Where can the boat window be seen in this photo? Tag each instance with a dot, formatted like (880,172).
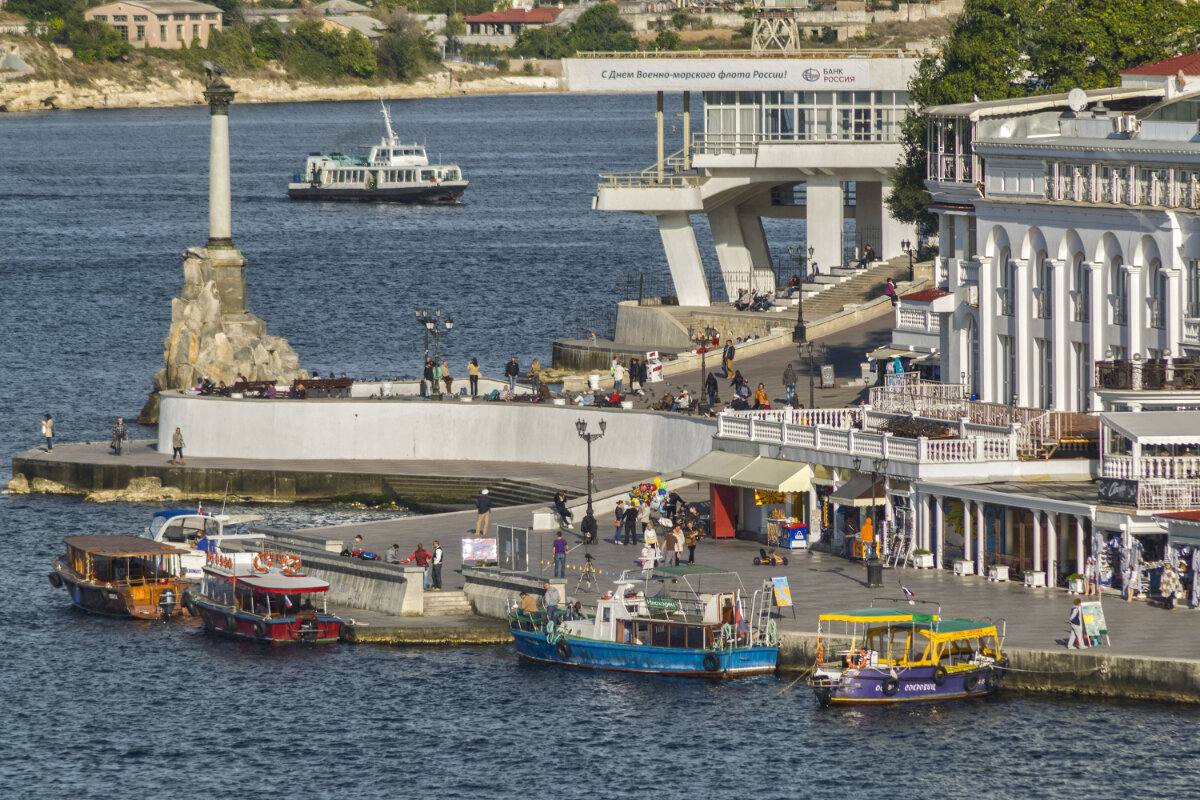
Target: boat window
(658,636)
(607,616)
(696,638)
(427,175)
(678,636)
(642,632)
(918,649)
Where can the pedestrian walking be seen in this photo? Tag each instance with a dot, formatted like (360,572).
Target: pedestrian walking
(618,521)
(447,378)
(631,518)
(427,378)
(690,538)
(177,447)
(889,290)
(789,382)
(710,388)
(512,371)
(636,380)
(727,359)
(618,372)
(435,566)
(473,376)
(48,432)
(560,556)
(1169,586)
(535,375)
(483,512)
(120,436)
(1078,637)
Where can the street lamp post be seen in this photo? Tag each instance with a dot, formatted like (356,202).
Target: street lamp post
(704,338)
(907,247)
(437,329)
(581,427)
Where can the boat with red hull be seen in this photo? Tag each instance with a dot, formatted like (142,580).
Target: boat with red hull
(899,656)
(263,597)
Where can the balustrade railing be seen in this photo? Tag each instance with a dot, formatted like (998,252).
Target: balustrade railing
(1168,496)
(1173,468)
(1191,331)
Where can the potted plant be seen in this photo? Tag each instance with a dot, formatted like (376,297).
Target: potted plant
(998,572)
(1075,583)
(922,559)
(963,567)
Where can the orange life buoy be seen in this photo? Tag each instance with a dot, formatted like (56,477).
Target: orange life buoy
(858,658)
(291,563)
(262,561)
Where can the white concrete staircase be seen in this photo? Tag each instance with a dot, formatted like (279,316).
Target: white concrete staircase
(447,604)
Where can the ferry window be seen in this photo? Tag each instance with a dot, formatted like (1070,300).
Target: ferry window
(678,636)
(824,98)
(845,98)
(607,616)
(643,632)
(695,638)
(659,636)
(862,98)
(918,647)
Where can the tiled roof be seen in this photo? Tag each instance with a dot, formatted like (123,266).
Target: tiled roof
(1188,64)
(925,295)
(1187,516)
(518,16)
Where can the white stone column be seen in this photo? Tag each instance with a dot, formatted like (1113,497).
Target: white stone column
(868,217)
(968,549)
(892,230)
(1080,559)
(1174,308)
(220,229)
(961,238)
(1097,320)
(1023,341)
(732,253)
(922,521)
(1137,310)
(756,242)
(1060,310)
(939,549)
(683,258)
(988,349)
(824,212)
(1037,540)
(981,550)
(814,520)
(1051,548)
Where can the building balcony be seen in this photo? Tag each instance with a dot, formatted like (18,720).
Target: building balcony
(1143,467)
(1191,331)
(1157,375)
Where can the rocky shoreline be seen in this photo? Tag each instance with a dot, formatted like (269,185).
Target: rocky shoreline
(185,89)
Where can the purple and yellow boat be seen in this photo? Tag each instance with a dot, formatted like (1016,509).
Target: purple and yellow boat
(899,656)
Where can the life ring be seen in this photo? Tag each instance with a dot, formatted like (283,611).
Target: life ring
(820,652)
(189,604)
(970,682)
(992,680)
(262,561)
(711,662)
(56,580)
(564,648)
(940,675)
(858,658)
(291,564)
(890,686)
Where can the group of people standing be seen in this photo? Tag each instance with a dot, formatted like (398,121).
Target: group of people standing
(680,523)
(635,372)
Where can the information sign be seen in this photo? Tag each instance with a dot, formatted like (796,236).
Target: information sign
(783,593)
(1094,623)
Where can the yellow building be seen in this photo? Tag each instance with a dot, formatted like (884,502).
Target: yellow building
(169,24)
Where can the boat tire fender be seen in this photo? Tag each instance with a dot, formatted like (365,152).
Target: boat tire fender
(970,682)
(230,622)
(711,662)
(992,680)
(939,676)
(262,629)
(56,580)
(564,648)
(189,604)
(890,686)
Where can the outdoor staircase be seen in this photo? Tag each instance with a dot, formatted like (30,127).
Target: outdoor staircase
(446,492)
(853,287)
(447,604)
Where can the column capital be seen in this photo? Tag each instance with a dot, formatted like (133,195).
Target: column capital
(1093,266)
(1020,263)
(1132,269)
(1058,263)
(219,96)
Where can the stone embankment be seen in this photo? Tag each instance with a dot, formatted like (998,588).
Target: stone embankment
(181,88)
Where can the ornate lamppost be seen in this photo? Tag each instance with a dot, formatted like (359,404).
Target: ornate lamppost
(907,247)
(435,327)
(581,427)
(704,338)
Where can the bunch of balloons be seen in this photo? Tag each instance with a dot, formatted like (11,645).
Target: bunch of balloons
(649,493)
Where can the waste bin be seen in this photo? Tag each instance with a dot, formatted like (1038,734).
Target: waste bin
(874,574)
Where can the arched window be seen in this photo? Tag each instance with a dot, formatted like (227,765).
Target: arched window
(971,364)
(1119,281)
(1008,283)
(1045,287)
(1158,295)
(1083,288)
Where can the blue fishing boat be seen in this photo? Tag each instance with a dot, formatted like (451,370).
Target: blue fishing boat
(899,656)
(666,627)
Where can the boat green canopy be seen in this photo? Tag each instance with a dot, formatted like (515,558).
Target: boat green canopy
(869,615)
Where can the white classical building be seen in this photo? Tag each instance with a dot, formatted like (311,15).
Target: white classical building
(784,135)
(1069,228)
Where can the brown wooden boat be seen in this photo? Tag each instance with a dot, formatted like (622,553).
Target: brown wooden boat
(121,576)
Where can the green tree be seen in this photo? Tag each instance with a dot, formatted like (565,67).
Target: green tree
(666,40)
(357,58)
(545,42)
(45,10)
(681,20)
(601,28)
(405,52)
(93,41)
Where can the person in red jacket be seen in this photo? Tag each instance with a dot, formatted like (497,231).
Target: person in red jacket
(422,557)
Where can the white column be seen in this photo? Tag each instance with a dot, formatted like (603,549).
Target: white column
(868,217)
(220,230)
(1079,555)
(988,350)
(1061,365)
(939,512)
(683,258)
(892,231)
(1051,548)
(1037,540)
(1174,306)
(1137,309)
(922,521)
(1023,341)
(981,550)
(732,253)
(968,549)
(824,212)
(756,242)
(814,521)
(1098,320)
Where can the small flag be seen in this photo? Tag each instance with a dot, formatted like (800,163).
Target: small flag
(287,601)
(908,593)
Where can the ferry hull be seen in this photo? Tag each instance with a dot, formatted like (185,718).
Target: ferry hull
(117,601)
(273,630)
(431,195)
(870,686)
(593,654)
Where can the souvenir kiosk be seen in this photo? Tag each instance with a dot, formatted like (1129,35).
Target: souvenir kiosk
(757,497)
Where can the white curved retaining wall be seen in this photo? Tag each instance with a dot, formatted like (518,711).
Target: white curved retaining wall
(372,430)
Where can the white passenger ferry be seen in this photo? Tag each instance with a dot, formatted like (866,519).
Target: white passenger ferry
(389,172)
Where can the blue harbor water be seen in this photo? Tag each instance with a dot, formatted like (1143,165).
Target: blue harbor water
(95,208)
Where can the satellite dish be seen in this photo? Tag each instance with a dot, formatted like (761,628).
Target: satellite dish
(1077,99)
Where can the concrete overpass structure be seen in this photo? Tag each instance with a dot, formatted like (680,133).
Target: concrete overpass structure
(785,135)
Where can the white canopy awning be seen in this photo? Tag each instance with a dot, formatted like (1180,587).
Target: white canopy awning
(717,467)
(860,491)
(775,475)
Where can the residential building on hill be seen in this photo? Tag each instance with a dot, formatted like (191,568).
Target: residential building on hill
(169,24)
(501,28)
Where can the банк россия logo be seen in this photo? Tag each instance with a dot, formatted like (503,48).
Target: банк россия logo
(811,74)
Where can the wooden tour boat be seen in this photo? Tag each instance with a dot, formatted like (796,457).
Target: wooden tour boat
(121,576)
(263,597)
(899,656)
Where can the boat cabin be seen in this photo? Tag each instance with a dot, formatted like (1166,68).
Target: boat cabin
(124,560)
(883,637)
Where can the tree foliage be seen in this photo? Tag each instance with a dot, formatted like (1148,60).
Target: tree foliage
(599,28)
(1008,48)
(92,40)
(666,40)
(545,42)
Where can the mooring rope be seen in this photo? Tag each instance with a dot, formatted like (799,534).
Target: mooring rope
(806,673)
